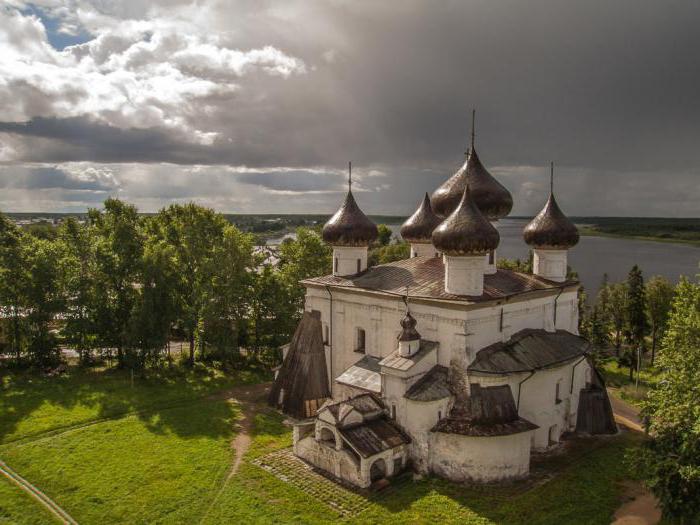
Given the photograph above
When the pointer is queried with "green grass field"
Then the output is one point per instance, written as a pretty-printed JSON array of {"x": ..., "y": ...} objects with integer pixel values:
[
  {"x": 617, "y": 378},
  {"x": 159, "y": 452}
]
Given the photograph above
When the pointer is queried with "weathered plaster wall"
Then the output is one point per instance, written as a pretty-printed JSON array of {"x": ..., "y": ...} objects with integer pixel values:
[
  {"x": 465, "y": 458},
  {"x": 458, "y": 331},
  {"x": 340, "y": 463},
  {"x": 538, "y": 402}
]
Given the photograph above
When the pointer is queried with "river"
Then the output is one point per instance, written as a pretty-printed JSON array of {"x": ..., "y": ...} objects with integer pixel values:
[{"x": 595, "y": 256}]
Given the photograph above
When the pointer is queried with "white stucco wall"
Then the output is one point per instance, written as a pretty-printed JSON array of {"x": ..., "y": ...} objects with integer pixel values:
[
  {"x": 465, "y": 458},
  {"x": 460, "y": 331},
  {"x": 423, "y": 250},
  {"x": 538, "y": 398},
  {"x": 345, "y": 259},
  {"x": 550, "y": 264}
]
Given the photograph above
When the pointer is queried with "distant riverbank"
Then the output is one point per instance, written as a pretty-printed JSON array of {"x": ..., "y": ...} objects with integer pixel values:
[
  {"x": 594, "y": 232},
  {"x": 678, "y": 231}
]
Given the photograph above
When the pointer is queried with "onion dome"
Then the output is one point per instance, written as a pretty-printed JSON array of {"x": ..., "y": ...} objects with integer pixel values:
[
  {"x": 466, "y": 231},
  {"x": 551, "y": 228},
  {"x": 408, "y": 329},
  {"x": 349, "y": 226},
  {"x": 419, "y": 227},
  {"x": 493, "y": 199}
]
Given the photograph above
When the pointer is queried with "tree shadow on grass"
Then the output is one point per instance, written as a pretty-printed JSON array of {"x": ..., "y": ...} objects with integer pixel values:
[{"x": 32, "y": 405}]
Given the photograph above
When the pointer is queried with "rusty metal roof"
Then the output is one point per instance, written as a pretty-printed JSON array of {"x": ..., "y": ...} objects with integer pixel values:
[
  {"x": 375, "y": 436},
  {"x": 425, "y": 277},
  {"x": 431, "y": 387},
  {"x": 487, "y": 411},
  {"x": 419, "y": 226},
  {"x": 466, "y": 231},
  {"x": 551, "y": 228},
  {"x": 408, "y": 328},
  {"x": 349, "y": 226},
  {"x": 492, "y": 198},
  {"x": 399, "y": 362},
  {"x": 529, "y": 350},
  {"x": 364, "y": 375}
]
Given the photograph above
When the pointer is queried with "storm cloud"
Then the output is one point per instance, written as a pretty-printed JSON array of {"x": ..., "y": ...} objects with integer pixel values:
[{"x": 268, "y": 100}]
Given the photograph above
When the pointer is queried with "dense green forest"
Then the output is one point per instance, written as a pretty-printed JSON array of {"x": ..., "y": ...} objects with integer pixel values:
[{"x": 116, "y": 284}]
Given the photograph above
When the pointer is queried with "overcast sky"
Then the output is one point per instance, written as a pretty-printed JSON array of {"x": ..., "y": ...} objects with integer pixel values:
[{"x": 256, "y": 106}]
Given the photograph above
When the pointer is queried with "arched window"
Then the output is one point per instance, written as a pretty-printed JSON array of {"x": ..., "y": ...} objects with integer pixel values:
[
  {"x": 377, "y": 470},
  {"x": 557, "y": 393},
  {"x": 327, "y": 437}
]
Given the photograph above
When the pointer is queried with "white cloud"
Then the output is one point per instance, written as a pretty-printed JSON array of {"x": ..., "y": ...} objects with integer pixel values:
[{"x": 134, "y": 73}]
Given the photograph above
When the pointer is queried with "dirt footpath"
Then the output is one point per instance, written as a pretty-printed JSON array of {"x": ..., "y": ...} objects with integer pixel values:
[{"x": 641, "y": 507}]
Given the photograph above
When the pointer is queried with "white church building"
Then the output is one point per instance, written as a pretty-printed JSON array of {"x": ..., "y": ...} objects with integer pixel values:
[{"x": 441, "y": 362}]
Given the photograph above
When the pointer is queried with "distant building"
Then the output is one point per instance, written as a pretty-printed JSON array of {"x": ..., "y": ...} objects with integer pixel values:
[{"x": 441, "y": 361}]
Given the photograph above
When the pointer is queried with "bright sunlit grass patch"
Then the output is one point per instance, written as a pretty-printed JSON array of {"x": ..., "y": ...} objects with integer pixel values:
[{"x": 138, "y": 469}]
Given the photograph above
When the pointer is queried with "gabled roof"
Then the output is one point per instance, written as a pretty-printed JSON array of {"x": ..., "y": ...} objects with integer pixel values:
[
  {"x": 374, "y": 437},
  {"x": 425, "y": 278},
  {"x": 431, "y": 387},
  {"x": 399, "y": 362},
  {"x": 366, "y": 404},
  {"x": 364, "y": 374},
  {"x": 529, "y": 350},
  {"x": 487, "y": 411},
  {"x": 303, "y": 379}
]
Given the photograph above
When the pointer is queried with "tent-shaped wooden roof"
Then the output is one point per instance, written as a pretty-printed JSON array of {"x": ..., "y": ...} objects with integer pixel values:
[{"x": 302, "y": 386}]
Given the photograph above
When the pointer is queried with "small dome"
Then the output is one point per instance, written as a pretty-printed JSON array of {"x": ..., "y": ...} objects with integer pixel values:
[
  {"x": 551, "y": 228},
  {"x": 408, "y": 329},
  {"x": 349, "y": 226},
  {"x": 492, "y": 198},
  {"x": 466, "y": 231},
  {"x": 419, "y": 227}
]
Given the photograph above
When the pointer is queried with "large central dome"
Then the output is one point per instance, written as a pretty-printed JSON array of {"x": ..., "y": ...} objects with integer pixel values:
[{"x": 492, "y": 198}]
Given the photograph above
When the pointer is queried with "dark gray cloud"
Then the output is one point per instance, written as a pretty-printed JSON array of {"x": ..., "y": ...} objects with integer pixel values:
[{"x": 606, "y": 89}]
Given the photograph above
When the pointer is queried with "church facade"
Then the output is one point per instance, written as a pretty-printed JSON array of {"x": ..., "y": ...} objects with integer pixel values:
[{"x": 441, "y": 362}]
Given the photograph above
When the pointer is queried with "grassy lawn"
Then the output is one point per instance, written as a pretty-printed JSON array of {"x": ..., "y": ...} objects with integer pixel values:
[
  {"x": 31, "y": 405},
  {"x": 617, "y": 378},
  {"x": 158, "y": 452},
  {"x": 18, "y": 508},
  {"x": 585, "y": 490}
]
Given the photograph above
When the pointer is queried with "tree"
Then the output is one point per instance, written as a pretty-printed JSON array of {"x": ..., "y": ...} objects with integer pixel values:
[
  {"x": 384, "y": 234},
  {"x": 194, "y": 233},
  {"x": 598, "y": 330},
  {"x": 118, "y": 243},
  {"x": 77, "y": 274},
  {"x": 670, "y": 460},
  {"x": 659, "y": 295},
  {"x": 301, "y": 258},
  {"x": 13, "y": 277},
  {"x": 636, "y": 307},
  {"x": 155, "y": 307},
  {"x": 617, "y": 310},
  {"x": 223, "y": 315},
  {"x": 44, "y": 299},
  {"x": 272, "y": 313},
  {"x": 389, "y": 253}
]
